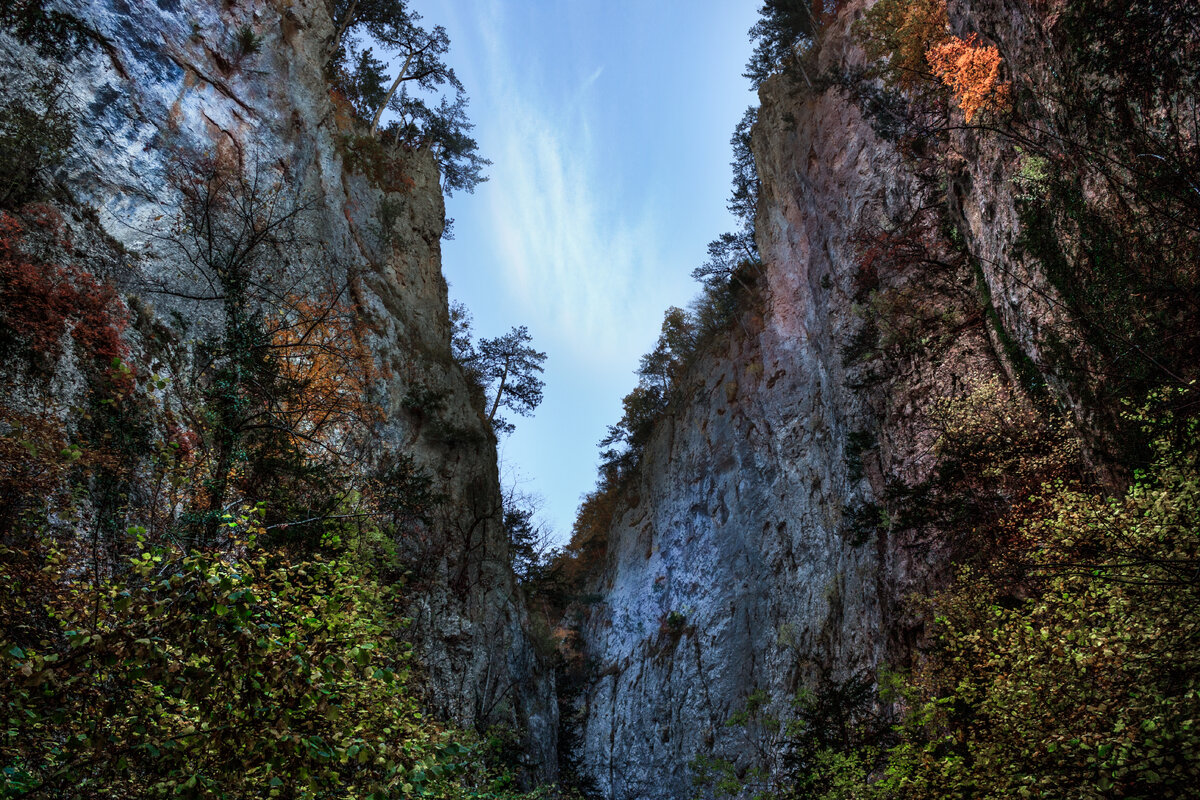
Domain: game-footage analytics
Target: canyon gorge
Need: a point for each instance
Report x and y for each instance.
(928, 333)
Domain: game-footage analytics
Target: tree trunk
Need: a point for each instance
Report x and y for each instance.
(220, 485)
(341, 31)
(499, 391)
(388, 97)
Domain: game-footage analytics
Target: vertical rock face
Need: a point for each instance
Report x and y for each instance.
(735, 566)
(166, 77)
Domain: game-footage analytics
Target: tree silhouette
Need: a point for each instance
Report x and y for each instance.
(434, 121)
(782, 25)
(508, 365)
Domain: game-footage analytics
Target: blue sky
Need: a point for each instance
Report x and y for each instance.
(608, 122)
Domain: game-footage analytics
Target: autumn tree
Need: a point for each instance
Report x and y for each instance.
(278, 395)
(659, 373)
(972, 71)
(899, 33)
(661, 367)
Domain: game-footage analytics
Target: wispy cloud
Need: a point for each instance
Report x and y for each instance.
(582, 261)
(595, 76)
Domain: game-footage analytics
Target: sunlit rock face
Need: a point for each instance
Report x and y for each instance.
(166, 79)
(733, 568)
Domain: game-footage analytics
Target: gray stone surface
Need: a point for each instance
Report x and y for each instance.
(166, 78)
(738, 525)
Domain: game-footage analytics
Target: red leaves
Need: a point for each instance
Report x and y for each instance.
(885, 255)
(40, 301)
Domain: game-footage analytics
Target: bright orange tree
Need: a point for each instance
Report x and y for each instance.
(972, 71)
(320, 355)
(912, 40)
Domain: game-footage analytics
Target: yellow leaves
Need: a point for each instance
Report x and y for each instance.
(972, 72)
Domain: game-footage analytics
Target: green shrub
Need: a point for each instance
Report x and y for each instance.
(211, 676)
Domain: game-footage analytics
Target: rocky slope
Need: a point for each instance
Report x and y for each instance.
(168, 78)
(752, 554)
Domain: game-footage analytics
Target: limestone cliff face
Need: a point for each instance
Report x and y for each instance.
(166, 78)
(735, 566)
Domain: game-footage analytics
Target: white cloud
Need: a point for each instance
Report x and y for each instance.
(579, 259)
(595, 76)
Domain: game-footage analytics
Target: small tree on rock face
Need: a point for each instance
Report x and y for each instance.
(743, 201)
(529, 539)
(36, 133)
(784, 29)
(730, 252)
(782, 24)
(661, 366)
(508, 365)
(422, 52)
(972, 71)
(726, 255)
(419, 53)
(445, 130)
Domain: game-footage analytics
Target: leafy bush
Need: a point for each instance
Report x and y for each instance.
(832, 737)
(1077, 677)
(1085, 683)
(41, 302)
(209, 676)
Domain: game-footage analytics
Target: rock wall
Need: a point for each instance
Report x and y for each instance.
(166, 77)
(735, 566)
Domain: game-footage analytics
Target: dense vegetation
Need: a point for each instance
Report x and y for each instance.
(1060, 659)
(204, 561)
(204, 555)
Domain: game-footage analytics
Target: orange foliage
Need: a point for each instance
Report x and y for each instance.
(321, 356)
(589, 538)
(902, 32)
(343, 111)
(972, 71)
(887, 253)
